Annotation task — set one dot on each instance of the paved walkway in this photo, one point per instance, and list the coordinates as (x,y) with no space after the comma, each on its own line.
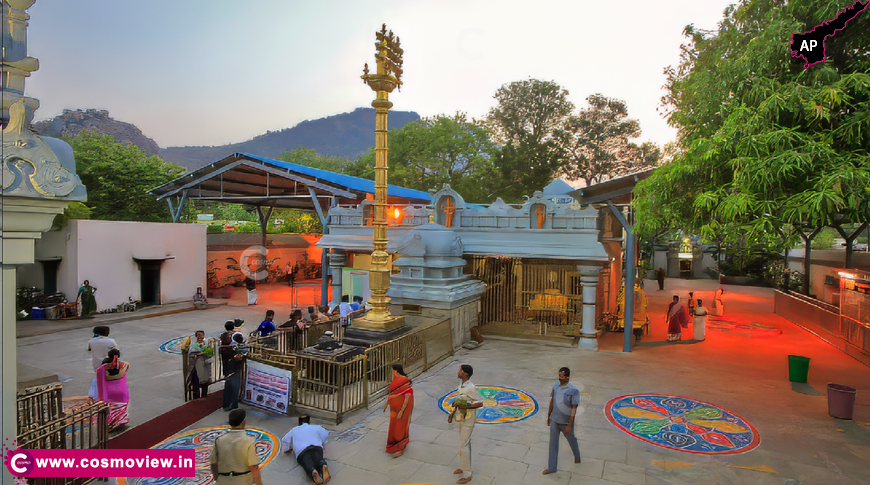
(743,372)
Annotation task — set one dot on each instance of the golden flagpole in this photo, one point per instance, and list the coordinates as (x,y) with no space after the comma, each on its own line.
(386,78)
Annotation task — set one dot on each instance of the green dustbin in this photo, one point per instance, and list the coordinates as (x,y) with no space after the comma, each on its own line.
(798,368)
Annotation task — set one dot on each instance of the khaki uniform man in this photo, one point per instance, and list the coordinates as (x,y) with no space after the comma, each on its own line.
(234,457)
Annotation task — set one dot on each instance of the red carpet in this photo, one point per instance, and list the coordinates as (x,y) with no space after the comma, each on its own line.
(158,429)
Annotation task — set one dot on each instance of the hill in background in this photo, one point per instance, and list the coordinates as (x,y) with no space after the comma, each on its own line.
(345,135)
(71,122)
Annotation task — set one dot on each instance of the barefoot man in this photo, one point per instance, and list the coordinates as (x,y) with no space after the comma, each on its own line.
(468,392)
(308,440)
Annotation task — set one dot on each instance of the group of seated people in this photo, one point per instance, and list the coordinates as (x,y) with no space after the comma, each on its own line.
(299,322)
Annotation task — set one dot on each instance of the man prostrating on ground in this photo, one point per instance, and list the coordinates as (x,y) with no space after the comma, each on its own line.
(308,440)
(564,399)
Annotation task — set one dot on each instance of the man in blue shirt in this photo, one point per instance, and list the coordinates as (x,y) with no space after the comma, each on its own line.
(307,441)
(357,303)
(564,399)
(267,326)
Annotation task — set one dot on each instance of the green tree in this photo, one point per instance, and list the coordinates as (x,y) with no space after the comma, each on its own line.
(427,153)
(765,144)
(597,143)
(73,210)
(118,178)
(528,124)
(310,158)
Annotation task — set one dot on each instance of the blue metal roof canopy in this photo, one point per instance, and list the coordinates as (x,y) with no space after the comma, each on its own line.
(259,181)
(242,178)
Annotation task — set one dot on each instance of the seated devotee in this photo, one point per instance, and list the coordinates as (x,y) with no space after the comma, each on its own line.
(327,342)
(296,321)
(357,303)
(199,300)
(314,315)
(267,327)
(344,310)
(307,441)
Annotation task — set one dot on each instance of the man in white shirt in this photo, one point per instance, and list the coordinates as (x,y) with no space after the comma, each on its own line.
(700,323)
(468,392)
(99,346)
(307,441)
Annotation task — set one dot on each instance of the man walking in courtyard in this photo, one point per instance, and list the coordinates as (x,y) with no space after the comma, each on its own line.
(660,276)
(472,401)
(564,399)
(234,456)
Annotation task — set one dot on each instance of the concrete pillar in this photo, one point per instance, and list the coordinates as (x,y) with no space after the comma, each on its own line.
(588,334)
(337,259)
(10,365)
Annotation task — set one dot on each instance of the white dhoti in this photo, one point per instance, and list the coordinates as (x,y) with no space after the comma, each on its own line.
(252,297)
(700,329)
(465,431)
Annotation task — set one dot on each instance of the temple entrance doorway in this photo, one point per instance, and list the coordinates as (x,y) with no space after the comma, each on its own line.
(529,296)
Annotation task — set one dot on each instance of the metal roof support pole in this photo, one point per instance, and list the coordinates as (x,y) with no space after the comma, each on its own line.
(264,222)
(176,213)
(630,270)
(324,259)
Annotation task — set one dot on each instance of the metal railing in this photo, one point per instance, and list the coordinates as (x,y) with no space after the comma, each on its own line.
(42,424)
(38,407)
(333,389)
(329,389)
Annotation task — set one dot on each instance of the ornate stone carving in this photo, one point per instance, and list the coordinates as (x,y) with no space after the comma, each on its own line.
(22,147)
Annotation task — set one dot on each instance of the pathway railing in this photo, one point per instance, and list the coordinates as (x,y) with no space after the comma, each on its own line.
(43,424)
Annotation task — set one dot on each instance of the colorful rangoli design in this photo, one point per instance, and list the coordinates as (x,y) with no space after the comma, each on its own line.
(500,405)
(202,440)
(682,424)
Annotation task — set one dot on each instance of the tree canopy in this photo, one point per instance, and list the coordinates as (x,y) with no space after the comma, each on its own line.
(528,123)
(764,144)
(310,158)
(596,142)
(118,178)
(427,153)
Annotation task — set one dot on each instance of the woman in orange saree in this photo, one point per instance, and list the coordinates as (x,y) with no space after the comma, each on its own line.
(401,403)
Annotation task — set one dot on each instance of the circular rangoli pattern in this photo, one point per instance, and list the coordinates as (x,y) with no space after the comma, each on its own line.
(500,405)
(202,440)
(682,424)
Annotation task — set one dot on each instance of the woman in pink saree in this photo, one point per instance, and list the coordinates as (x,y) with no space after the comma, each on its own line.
(112,388)
(677,319)
(401,403)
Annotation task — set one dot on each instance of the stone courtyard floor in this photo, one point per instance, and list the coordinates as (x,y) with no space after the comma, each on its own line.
(740,370)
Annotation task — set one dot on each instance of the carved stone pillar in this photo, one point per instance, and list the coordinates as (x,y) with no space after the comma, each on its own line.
(337,259)
(37,180)
(588,334)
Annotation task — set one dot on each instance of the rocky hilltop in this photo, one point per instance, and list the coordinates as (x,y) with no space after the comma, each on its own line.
(71,122)
(345,135)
